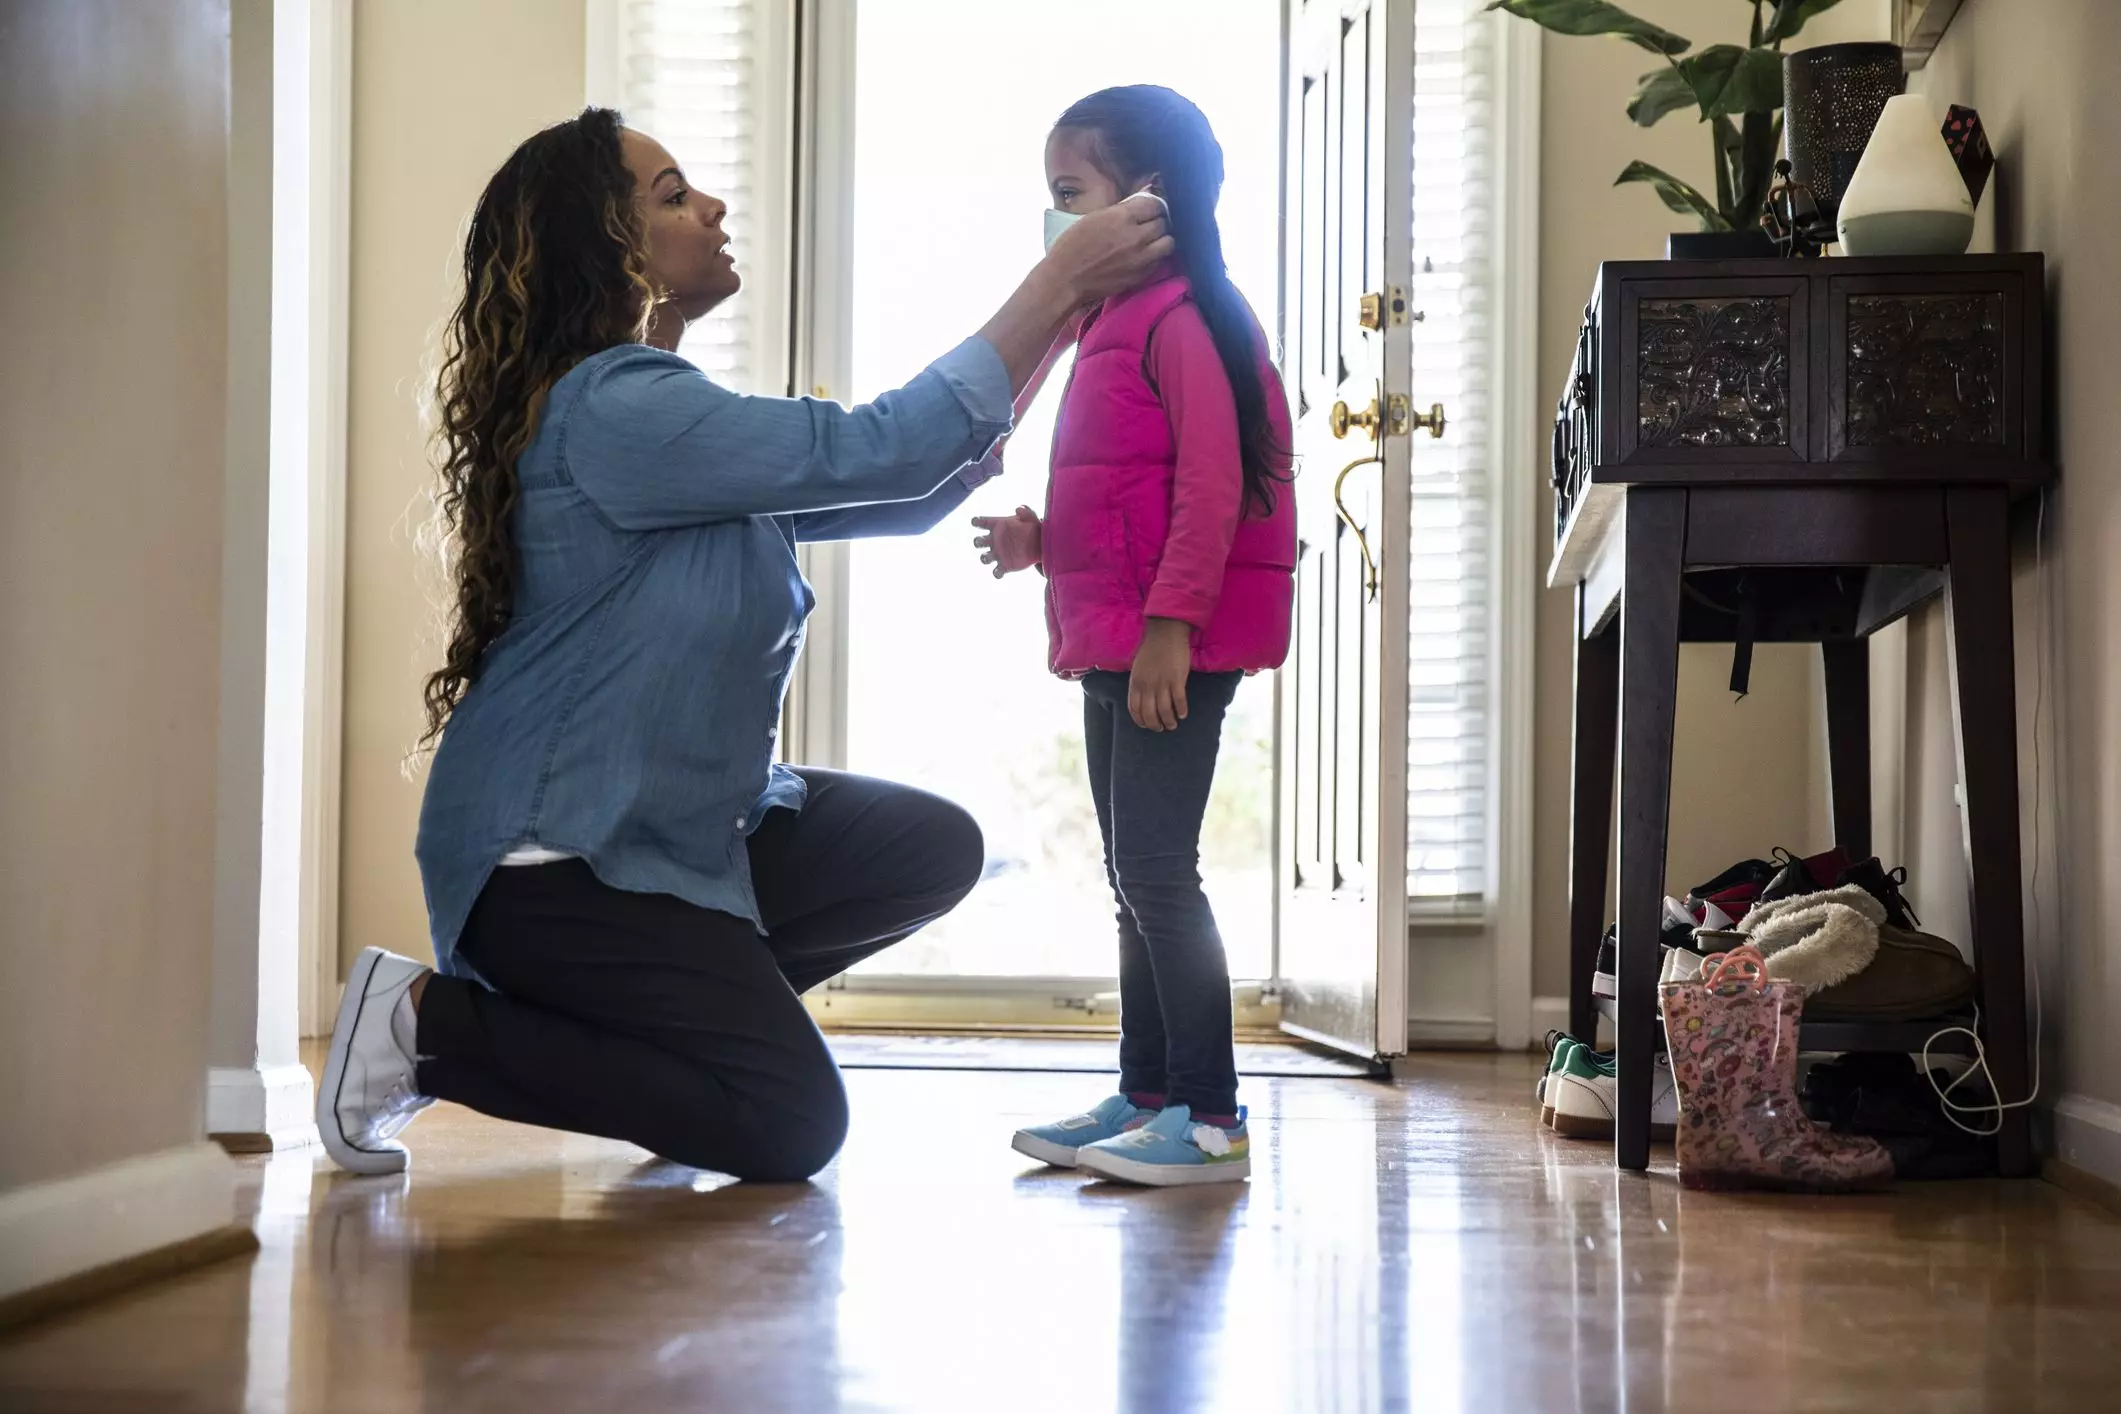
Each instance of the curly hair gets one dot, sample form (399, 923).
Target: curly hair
(555, 270)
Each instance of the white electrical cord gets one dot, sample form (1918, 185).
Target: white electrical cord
(1952, 1108)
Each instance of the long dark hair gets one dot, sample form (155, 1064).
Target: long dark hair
(1142, 130)
(555, 269)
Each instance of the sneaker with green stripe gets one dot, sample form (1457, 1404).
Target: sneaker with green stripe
(1559, 1050)
(1585, 1096)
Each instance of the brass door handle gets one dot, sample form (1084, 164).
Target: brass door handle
(1362, 542)
(1340, 419)
(1394, 418)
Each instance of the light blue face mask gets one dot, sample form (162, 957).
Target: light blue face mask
(1056, 222)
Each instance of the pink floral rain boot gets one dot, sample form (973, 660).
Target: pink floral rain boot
(1733, 1037)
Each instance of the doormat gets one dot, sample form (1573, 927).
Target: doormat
(867, 1051)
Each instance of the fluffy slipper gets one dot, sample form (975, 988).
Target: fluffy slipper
(1817, 940)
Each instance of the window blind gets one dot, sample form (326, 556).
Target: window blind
(704, 78)
(1449, 703)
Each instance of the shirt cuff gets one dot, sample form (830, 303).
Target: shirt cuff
(979, 473)
(976, 374)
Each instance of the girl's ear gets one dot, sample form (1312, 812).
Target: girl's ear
(1154, 182)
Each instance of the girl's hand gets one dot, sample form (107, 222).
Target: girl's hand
(1011, 543)
(1156, 689)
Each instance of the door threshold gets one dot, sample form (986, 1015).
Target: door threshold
(969, 1049)
(1244, 1035)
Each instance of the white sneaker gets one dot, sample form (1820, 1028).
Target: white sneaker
(1585, 1104)
(369, 1092)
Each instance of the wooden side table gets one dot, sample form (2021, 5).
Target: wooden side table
(1794, 451)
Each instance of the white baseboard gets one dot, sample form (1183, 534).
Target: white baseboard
(2087, 1136)
(274, 1106)
(60, 1229)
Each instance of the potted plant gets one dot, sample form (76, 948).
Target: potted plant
(1735, 88)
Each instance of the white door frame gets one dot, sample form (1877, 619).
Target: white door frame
(1518, 552)
(276, 975)
(822, 344)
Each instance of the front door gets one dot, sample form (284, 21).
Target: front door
(1348, 141)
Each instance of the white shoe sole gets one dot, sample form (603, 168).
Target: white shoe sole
(1584, 1111)
(1044, 1150)
(1581, 1109)
(342, 1150)
(1106, 1164)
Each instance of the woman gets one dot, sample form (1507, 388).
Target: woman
(626, 894)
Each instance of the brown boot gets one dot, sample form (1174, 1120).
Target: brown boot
(1733, 1040)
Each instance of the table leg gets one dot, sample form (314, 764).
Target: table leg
(1985, 713)
(1848, 743)
(1590, 808)
(1649, 690)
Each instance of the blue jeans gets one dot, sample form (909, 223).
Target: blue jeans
(1151, 790)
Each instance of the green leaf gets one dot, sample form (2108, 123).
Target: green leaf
(1791, 16)
(1587, 17)
(1665, 91)
(1675, 194)
(1728, 78)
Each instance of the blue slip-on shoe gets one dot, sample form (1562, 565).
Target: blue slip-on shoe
(1057, 1143)
(1170, 1150)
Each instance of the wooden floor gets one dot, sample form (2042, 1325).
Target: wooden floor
(1416, 1246)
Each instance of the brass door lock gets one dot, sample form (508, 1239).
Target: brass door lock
(1382, 306)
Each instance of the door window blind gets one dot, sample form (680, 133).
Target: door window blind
(712, 81)
(1449, 707)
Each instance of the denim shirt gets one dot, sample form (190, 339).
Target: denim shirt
(627, 713)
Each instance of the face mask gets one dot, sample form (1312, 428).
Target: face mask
(1056, 222)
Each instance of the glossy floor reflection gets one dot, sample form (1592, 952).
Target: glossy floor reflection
(1420, 1246)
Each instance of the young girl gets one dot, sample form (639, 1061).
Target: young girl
(1169, 547)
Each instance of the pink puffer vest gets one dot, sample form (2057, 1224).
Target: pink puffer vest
(1108, 512)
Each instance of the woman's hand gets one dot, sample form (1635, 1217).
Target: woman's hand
(1156, 689)
(1099, 256)
(1111, 251)
(1011, 543)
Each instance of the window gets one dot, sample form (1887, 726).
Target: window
(712, 80)
(985, 722)
(1448, 811)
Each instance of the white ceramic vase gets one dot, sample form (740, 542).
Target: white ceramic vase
(1907, 197)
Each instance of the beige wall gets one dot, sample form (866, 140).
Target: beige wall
(442, 94)
(114, 293)
(2042, 75)
(1746, 775)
